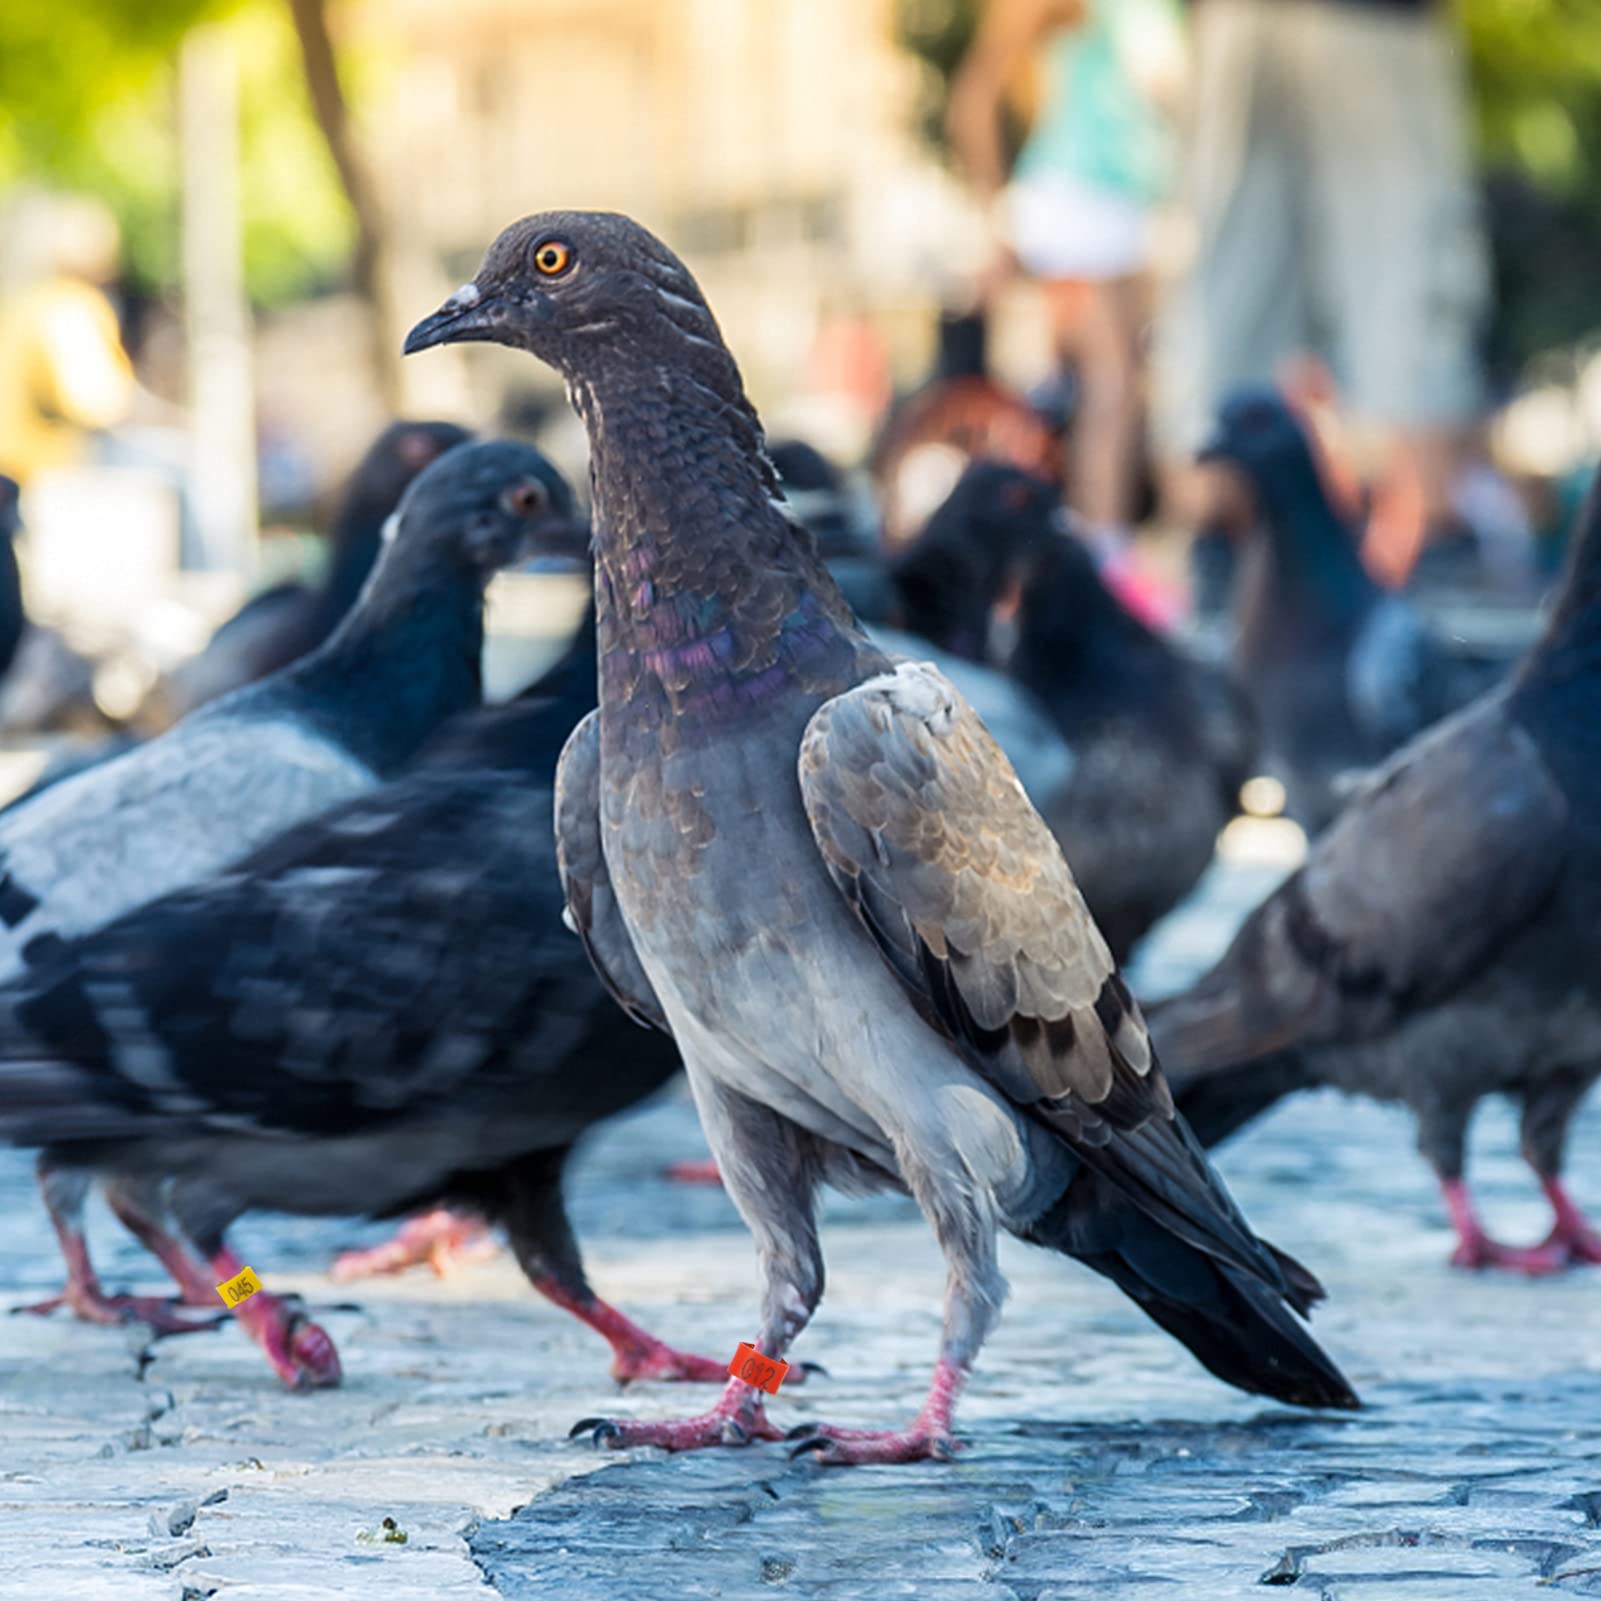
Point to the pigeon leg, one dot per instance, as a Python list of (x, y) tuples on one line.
[(297, 1350), (1572, 1232), (441, 1238), (770, 1167), (974, 1291), (64, 1194), (138, 1208), (542, 1239), (1475, 1249), (700, 1171)]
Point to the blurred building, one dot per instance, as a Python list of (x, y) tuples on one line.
[(772, 142)]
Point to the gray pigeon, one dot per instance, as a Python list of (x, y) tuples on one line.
[(1340, 670), (246, 766), (821, 870), (1436, 947)]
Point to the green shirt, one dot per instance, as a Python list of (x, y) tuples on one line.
[(1097, 123)]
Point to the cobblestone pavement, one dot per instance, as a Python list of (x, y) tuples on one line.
[(1101, 1459)]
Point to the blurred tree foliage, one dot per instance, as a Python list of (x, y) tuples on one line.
[(1536, 75), (87, 103)]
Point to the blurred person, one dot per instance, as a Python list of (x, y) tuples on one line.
[(1328, 183), (1076, 209), (64, 375)]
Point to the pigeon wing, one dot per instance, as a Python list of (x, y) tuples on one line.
[(1440, 857), (592, 910), (929, 836)]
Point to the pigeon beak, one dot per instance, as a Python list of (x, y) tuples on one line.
[(560, 540), (469, 314)]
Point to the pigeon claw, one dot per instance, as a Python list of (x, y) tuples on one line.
[(838, 1448), (720, 1426), (1534, 1261), (160, 1314)]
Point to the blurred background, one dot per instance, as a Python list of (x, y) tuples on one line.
[(218, 218)]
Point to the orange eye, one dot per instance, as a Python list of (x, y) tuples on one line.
[(552, 257)]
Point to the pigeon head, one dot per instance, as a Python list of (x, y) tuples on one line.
[(578, 289), (486, 506), (10, 507), (966, 562), (1257, 433), (392, 460)]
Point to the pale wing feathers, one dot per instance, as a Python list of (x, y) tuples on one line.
[(592, 908), (926, 830)]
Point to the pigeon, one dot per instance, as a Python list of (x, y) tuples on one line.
[(279, 625), (819, 869), (1435, 946), (13, 620), (1160, 744), (377, 1010), (246, 766), (1341, 671)]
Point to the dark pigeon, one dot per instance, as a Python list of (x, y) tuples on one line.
[(13, 620), (1160, 744), (820, 498), (823, 873), (332, 726), (1341, 670), (1436, 947), (378, 1010), (281, 624)]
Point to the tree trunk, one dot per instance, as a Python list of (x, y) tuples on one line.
[(333, 117)]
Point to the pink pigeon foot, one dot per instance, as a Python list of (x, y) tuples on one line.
[(90, 1304), (297, 1350), (443, 1239), (928, 1439), (1571, 1232), (737, 1419), (83, 1296), (1475, 1249), (703, 1171), (636, 1353)]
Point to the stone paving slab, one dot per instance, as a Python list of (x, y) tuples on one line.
[(1101, 1461)]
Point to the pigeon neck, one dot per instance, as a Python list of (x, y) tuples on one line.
[(1315, 563), (1077, 645), (1568, 655), (357, 541), (709, 599), (405, 659)]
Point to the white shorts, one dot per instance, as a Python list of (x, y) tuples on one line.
[(1060, 226)]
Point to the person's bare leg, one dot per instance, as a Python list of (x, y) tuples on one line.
[(1099, 323)]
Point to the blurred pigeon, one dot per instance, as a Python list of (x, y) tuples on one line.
[(820, 500), (875, 962), (379, 1009), (1160, 744), (13, 620), (281, 624), (333, 725), (1436, 945), (1341, 670)]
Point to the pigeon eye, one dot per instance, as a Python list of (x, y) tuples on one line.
[(522, 500), (553, 258)]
